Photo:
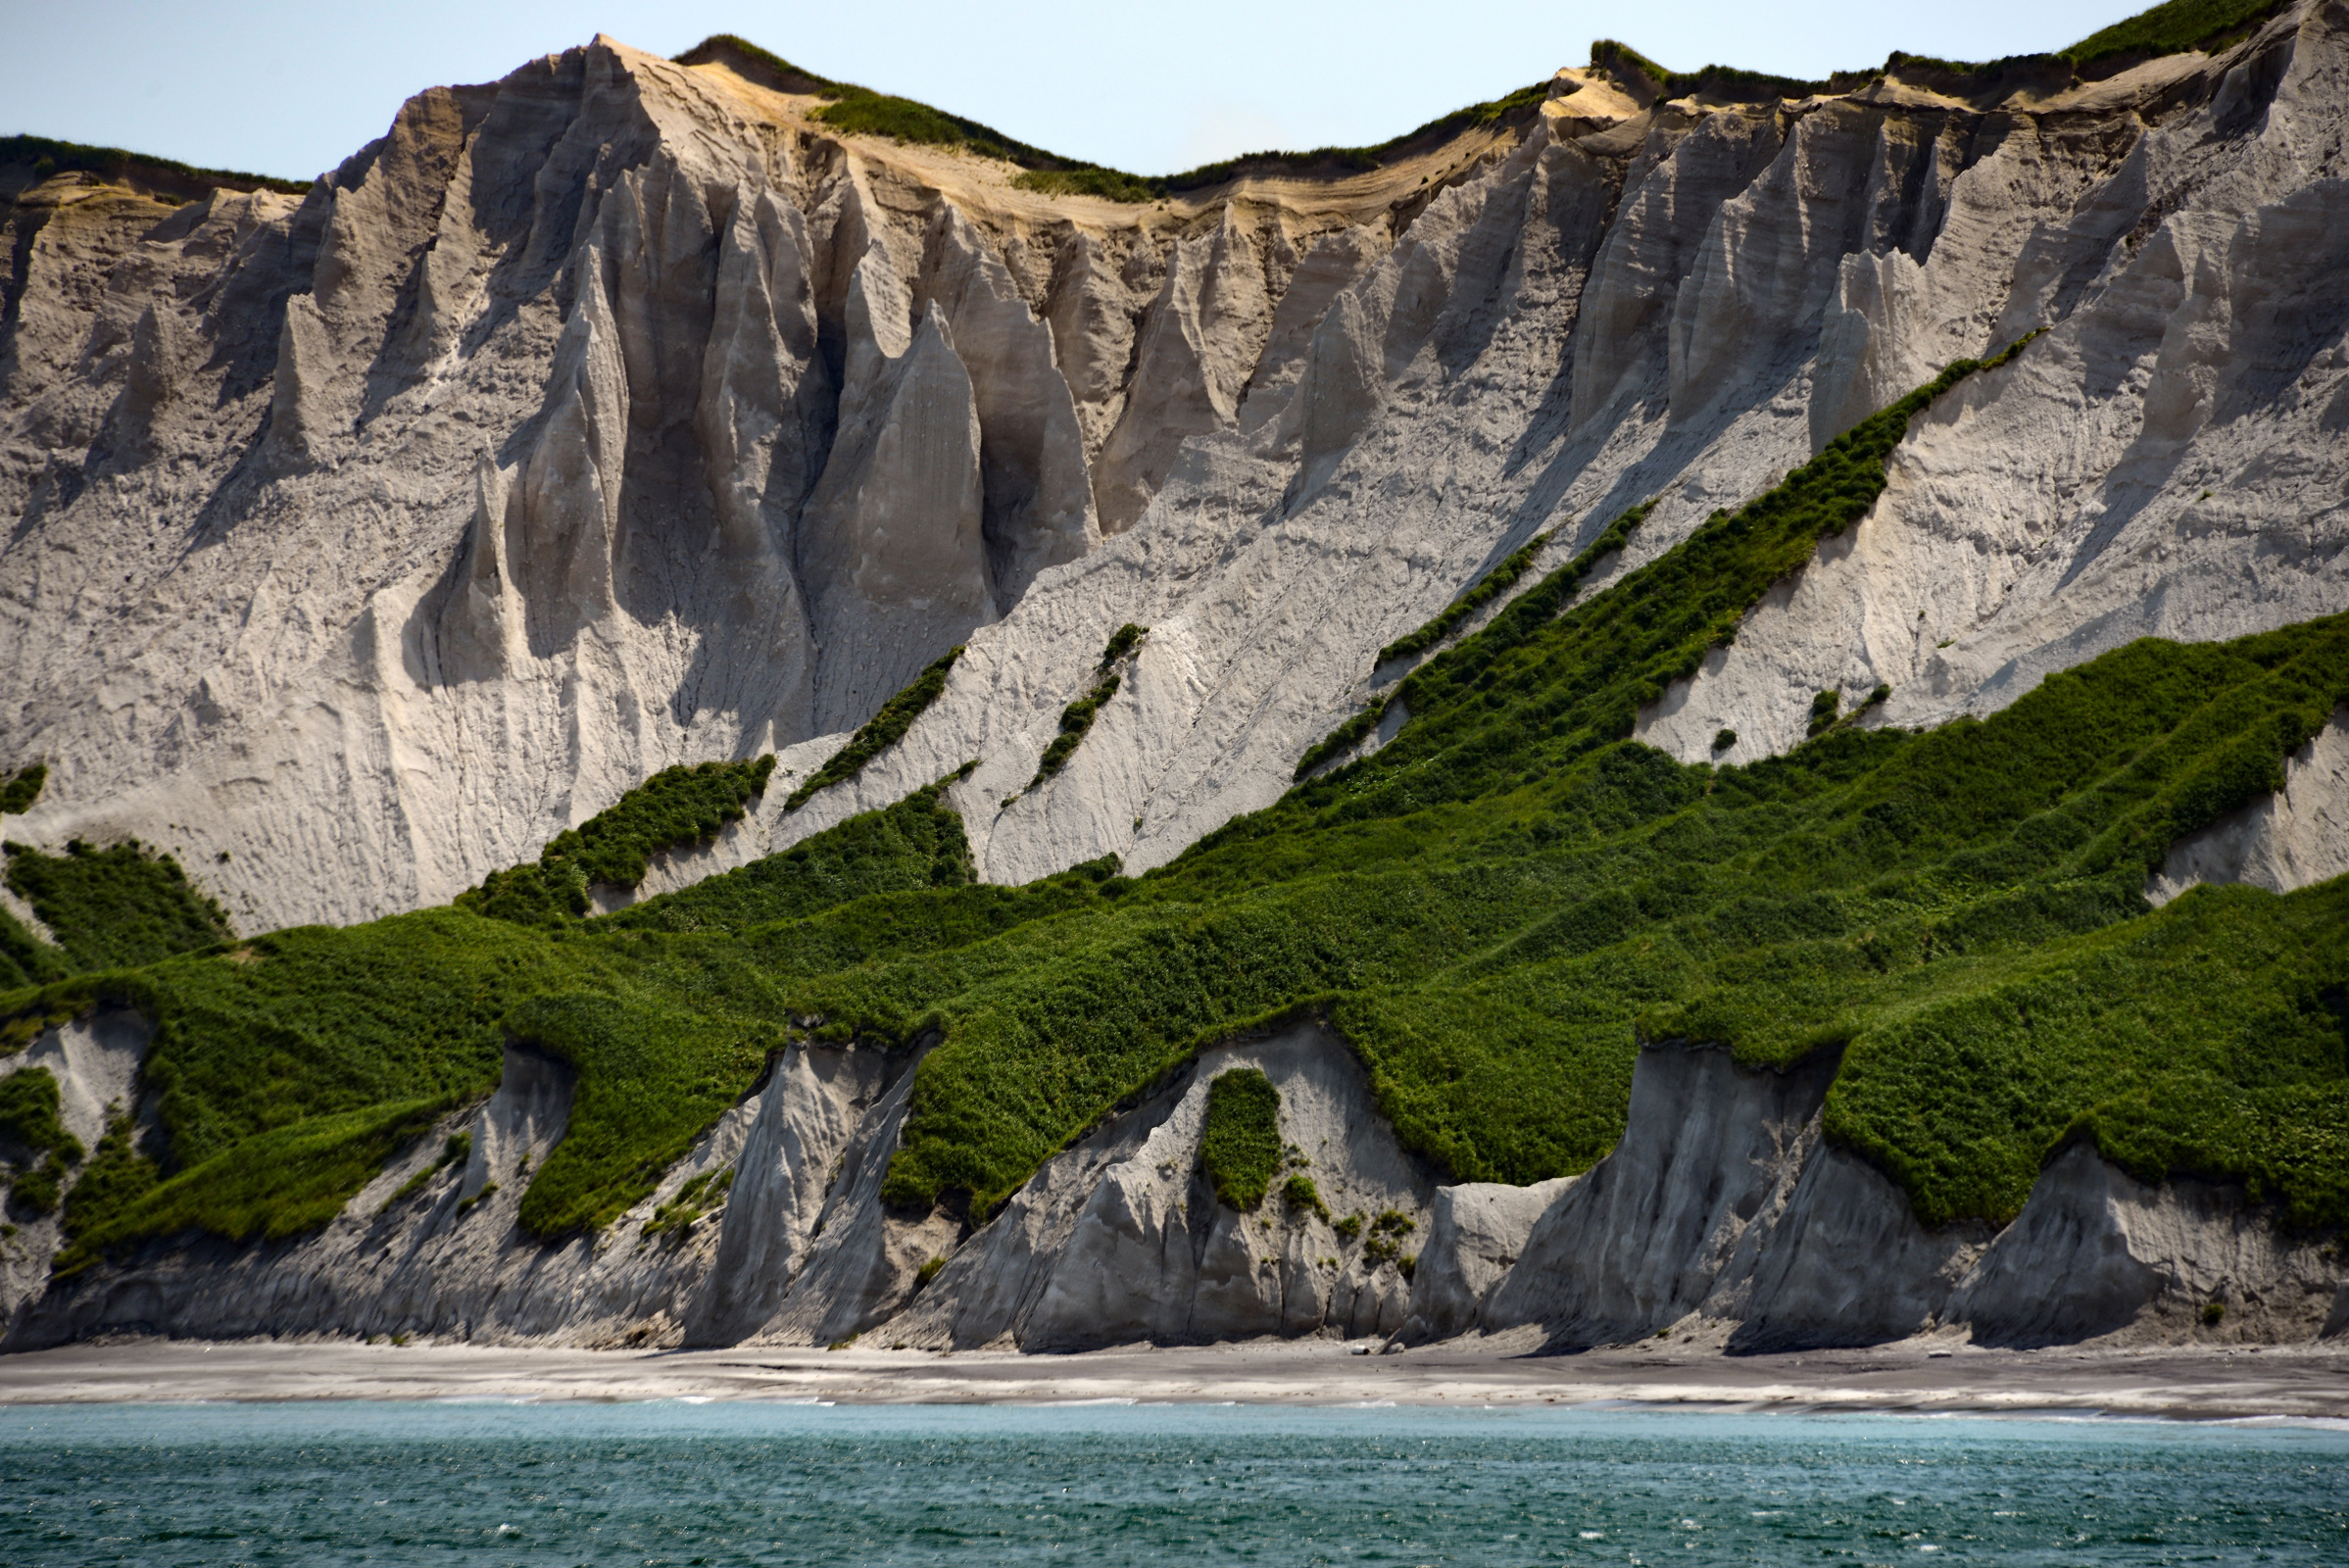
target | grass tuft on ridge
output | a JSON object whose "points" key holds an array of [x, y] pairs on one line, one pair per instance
{"points": [[1496, 910]]}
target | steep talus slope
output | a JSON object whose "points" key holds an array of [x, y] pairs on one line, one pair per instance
{"points": [[624, 412], [609, 416], [1682, 305]]}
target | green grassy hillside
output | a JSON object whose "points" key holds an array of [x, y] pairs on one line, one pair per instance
{"points": [[2173, 28], [1496, 910]]}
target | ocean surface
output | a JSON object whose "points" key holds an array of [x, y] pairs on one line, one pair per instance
{"points": [[682, 1483]]}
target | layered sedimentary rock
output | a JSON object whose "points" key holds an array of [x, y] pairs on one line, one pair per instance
{"points": [[620, 412]]}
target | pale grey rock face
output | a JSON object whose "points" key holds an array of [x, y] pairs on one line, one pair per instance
{"points": [[2159, 464], [790, 1161], [1477, 1234], [618, 414], [1121, 1238], [2138, 1263], [1675, 1221], [1724, 1215]]}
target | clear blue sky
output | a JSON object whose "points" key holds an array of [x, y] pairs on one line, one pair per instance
{"points": [[290, 89]]}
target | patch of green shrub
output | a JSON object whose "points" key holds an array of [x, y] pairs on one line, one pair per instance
{"points": [[1723, 82], [22, 788], [701, 1195], [530, 895], [1122, 642], [456, 1150], [883, 730], [917, 843], [1386, 1239], [115, 908], [39, 1148], [1825, 708], [1723, 740], [1337, 162], [860, 110], [1537, 605], [1077, 717], [1075, 720], [35, 1190], [753, 64], [28, 1121], [635, 1109], [1088, 180], [678, 806], [1300, 1195], [26, 960], [1500, 580], [1240, 1142], [116, 1176]]}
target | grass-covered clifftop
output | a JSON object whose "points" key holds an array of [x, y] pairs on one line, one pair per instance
{"points": [[1496, 910], [2171, 27]]}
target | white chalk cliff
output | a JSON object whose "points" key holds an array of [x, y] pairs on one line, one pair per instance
{"points": [[620, 412]]}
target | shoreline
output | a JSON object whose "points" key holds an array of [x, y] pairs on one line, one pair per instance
{"points": [[2301, 1382]]}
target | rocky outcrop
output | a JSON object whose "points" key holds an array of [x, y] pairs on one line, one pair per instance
{"points": [[791, 1159], [1478, 1231], [1724, 1216], [620, 412], [1722, 1206], [431, 1246], [2158, 465], [1119, 1238]]}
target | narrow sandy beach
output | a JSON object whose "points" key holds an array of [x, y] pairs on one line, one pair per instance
{"points": [[2215, 1384]]}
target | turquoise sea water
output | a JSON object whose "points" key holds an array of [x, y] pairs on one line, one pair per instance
{"points": [[676, 1482]]}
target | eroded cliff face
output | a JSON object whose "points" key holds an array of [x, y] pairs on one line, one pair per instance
{"points": [[1724, 1218], [618, 414], [605, 416]]}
